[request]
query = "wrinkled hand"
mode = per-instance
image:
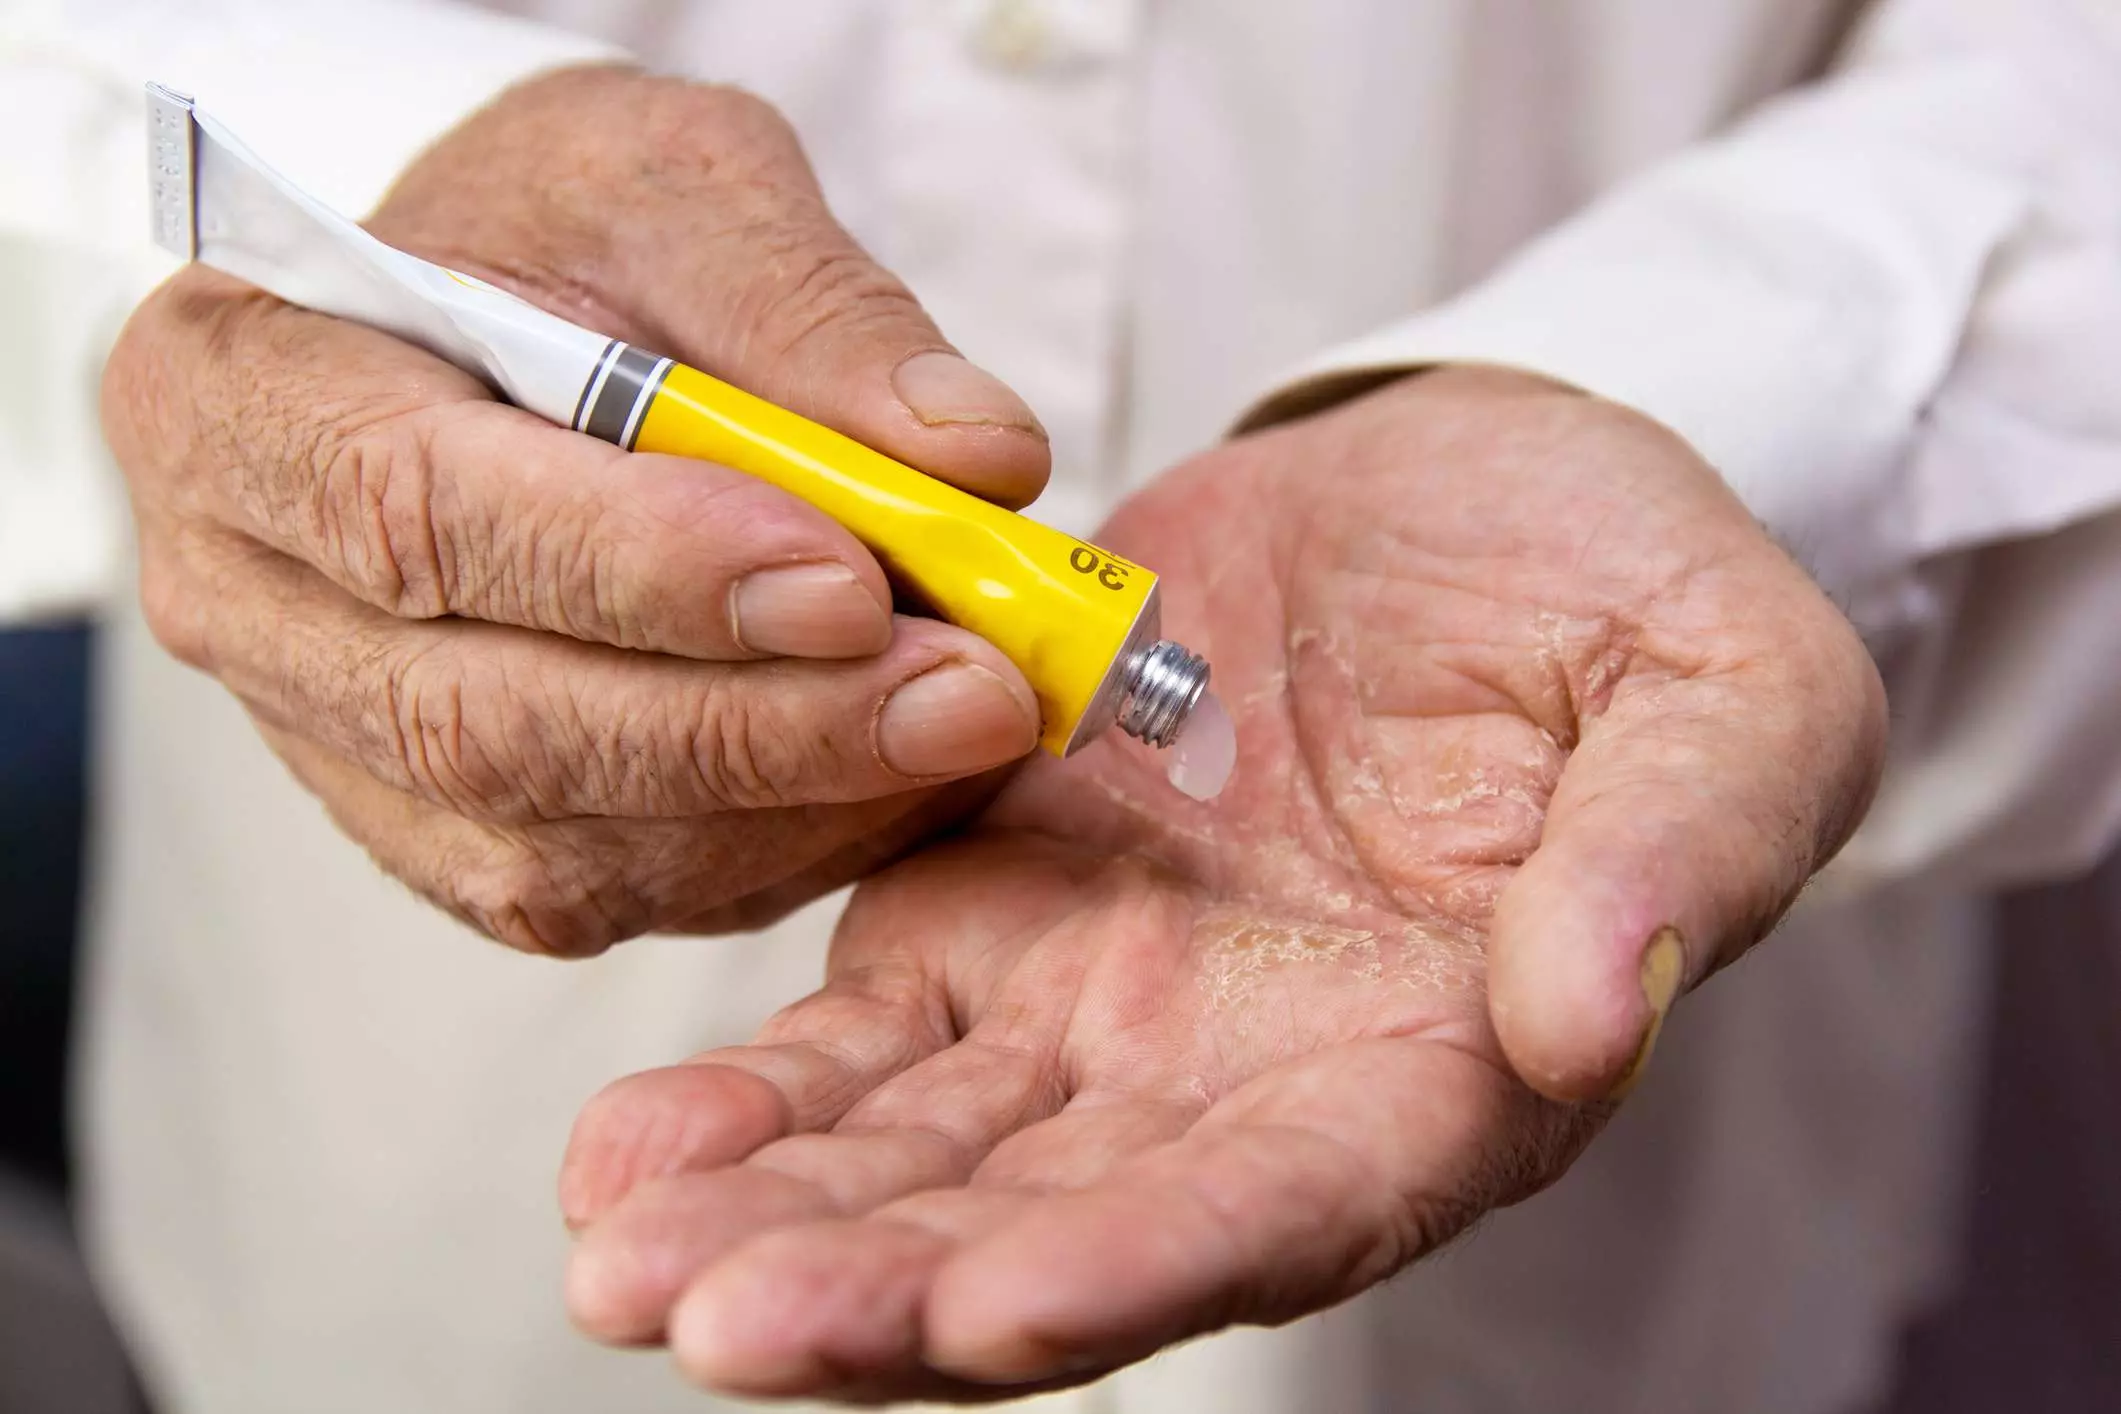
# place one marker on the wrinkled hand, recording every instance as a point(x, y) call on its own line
point(1537, 728)
point(427, 598)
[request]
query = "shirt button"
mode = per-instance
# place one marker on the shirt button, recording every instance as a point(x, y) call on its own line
point(1013, 34)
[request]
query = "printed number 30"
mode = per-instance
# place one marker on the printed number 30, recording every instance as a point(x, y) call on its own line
point(1110, 573)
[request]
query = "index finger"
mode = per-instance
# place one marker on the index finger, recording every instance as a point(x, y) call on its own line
point(399, 477)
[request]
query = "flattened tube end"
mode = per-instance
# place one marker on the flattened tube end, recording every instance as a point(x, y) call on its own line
point(172, 177)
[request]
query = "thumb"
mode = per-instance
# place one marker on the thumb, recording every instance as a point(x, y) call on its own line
point(684, 217)
point(755, 282)
point(1686, 821)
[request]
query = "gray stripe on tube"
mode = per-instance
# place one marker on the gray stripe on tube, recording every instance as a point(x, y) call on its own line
point(623, 388)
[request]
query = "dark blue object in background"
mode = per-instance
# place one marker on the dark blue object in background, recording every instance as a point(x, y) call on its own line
point(43, 731)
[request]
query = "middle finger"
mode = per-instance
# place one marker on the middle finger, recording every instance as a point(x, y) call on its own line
point(508, 725)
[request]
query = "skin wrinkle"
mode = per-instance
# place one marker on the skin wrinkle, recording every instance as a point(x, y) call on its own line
point(531, 742)
point(518, 749)
point(839, 1095)
point(591, 906)
point(623, 770)
point(426, 533)
point(1316, 770)
point(837, 292)
point(407, 733)
point(962, 1017)
point(850, 1062)
point(509, 899)
point(354, 472)
point(450, 737)
point(591, 567)
point(724, 755)
point(775, 323)
point(543, 283)
point(1242, 1303)
point(1479, 789)
point(630, 743)
point(1366, 780)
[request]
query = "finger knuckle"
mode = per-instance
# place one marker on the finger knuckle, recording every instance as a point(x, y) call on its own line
point(741, 117)
point(747, 759)
point(539, 898)
point(166, 395)
point(688, 134)
point(337, 474)
point(572, 570)
point(425, 723)
point(372, 512)
point(660, 576)
point(174, 611)
point(829, 286)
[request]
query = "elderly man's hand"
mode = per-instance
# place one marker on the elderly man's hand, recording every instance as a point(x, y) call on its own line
point(1537, 729)
point(436, 605)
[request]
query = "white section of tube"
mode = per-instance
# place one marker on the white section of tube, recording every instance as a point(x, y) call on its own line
point(256, 225)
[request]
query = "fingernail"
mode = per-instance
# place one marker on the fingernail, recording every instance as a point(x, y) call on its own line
point(953, 720)
point(941, 388)
point(1663, 969)
point(807, 611)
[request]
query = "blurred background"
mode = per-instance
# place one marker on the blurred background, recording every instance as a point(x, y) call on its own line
point(58, 1354)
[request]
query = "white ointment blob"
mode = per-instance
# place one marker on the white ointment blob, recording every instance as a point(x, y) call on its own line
point(1206, 751)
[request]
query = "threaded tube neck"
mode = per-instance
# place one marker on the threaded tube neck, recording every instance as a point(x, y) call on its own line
point(1162, 684)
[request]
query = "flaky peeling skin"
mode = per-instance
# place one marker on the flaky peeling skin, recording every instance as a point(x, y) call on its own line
point(1240, 949)
point(1206, 752)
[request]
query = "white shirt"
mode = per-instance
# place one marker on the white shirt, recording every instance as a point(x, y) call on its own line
point(1889, 309)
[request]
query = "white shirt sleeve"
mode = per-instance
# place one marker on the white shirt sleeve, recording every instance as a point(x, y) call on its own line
point(341, 95)
point(1887, 308)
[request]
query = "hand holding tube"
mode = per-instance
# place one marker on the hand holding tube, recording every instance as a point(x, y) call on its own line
point(433, 603)
point(1080, 622)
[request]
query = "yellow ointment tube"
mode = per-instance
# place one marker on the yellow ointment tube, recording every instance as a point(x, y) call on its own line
point(1065, 612)
point(1080, 622)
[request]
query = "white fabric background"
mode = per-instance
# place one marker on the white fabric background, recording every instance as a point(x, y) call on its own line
point(324, 1118)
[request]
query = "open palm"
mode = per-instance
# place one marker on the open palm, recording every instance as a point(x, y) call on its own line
point(1536, 727)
